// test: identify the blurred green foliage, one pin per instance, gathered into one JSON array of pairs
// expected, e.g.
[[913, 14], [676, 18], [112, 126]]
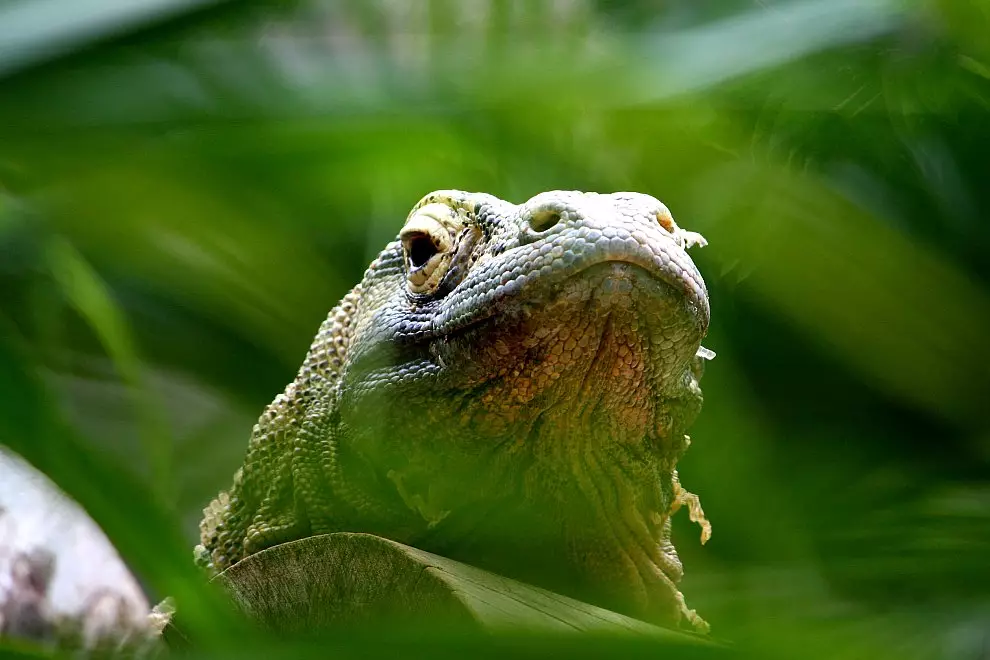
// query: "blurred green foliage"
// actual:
[[186, 188]]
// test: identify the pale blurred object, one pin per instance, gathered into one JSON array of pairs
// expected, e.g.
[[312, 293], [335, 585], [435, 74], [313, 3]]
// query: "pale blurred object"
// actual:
[[61, 582]]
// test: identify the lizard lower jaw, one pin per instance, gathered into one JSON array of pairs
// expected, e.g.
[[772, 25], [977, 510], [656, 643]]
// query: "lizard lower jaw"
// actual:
[[635, 267], [650, 303]]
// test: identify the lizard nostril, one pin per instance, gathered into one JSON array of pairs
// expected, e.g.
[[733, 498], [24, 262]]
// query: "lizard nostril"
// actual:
[[544, 219]]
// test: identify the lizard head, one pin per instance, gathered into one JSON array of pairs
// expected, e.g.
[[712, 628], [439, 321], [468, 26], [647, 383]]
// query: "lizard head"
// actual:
[[518, 381]]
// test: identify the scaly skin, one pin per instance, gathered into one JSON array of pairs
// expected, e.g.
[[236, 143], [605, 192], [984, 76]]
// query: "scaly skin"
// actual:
[[509, 386]]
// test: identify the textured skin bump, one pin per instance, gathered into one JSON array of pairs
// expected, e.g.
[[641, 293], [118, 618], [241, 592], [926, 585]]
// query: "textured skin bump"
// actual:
[[509, 385]]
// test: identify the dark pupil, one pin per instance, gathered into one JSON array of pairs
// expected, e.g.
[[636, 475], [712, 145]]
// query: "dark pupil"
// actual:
[[421, 248]]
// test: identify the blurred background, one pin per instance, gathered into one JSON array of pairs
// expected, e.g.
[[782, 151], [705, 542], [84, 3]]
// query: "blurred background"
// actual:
[[188, 186]]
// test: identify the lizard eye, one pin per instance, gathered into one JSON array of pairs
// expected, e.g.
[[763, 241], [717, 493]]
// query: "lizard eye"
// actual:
[[428, 244], [420, 247]]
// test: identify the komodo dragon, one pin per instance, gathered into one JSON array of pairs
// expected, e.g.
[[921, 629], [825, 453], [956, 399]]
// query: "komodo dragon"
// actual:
[[509, 385]]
